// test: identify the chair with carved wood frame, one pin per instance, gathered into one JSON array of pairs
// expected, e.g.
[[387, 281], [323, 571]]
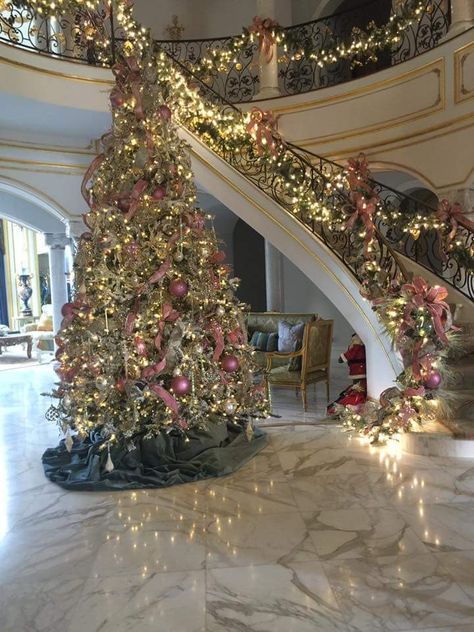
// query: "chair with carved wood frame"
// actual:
[[315, 356]]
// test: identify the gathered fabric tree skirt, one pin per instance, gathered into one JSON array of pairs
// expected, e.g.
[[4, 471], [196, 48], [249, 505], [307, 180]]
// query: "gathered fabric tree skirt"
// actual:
[[165, 460]]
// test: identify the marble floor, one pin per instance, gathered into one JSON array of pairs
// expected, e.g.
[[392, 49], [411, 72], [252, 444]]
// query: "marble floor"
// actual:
[[318, 533]]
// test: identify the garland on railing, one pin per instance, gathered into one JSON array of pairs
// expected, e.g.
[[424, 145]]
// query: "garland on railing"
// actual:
[[414, 314], [361, 48], [57, 7], [419, 322]]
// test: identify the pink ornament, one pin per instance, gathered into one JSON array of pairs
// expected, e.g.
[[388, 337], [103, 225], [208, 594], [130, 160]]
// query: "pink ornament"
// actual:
[[180, 385], [132, 249], [67, 310], [116, 98], [159, 193], [178, 288], [432, 380], [230, 363], [164, 112]]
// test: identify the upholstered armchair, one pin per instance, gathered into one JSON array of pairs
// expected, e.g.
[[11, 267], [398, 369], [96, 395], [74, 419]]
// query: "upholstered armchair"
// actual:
[[315, 354], [42, 332]]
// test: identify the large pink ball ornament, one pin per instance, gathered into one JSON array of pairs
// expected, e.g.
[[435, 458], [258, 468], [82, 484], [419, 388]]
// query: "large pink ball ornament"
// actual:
[[180, 385], [164, 112], [178, 288], [159, 193], [230, 363], [433, 380]]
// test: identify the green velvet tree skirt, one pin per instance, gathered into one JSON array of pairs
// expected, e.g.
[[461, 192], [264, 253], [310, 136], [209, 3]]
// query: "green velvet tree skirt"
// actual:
[[159, 462]]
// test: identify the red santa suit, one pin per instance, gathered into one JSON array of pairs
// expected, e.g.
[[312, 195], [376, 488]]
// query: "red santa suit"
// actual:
[[356, 394]]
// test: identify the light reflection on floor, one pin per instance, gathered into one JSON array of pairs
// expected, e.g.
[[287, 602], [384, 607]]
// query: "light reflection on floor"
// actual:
[[319, 532]]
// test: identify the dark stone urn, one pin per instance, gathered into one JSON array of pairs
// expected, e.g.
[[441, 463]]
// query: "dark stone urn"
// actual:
[[24, 292]]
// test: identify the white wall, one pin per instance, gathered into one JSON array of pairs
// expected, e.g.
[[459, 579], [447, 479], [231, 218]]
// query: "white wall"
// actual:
[[205, 18], [301, 295]]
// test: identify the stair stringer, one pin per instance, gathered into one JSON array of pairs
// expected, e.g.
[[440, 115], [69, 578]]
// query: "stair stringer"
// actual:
[[305, 250]]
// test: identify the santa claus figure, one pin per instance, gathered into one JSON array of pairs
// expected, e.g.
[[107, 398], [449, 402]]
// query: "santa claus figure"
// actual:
[[356, 394]]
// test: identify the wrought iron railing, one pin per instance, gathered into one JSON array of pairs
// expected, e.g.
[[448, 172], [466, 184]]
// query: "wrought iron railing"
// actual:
[[298, 170], [67, 37], [426, 247]]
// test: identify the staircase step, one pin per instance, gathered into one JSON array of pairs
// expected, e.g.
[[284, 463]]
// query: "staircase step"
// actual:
[[437, 444]]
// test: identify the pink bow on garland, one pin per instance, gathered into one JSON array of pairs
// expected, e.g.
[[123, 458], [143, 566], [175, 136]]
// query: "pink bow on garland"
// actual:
[[358, 175], [422, 295], [263, 127], [264, 29], [365, 209], [453, 213]]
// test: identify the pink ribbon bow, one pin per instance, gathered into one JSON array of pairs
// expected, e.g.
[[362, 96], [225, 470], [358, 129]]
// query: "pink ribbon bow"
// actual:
[[264, 29], [454, 215], [263, 127], [365, 209], [358, 175], [422, 295]]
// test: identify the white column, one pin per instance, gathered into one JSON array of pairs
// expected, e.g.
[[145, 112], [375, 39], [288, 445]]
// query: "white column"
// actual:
[[57, 243], [462, 16], [274, 278], [268, 71]]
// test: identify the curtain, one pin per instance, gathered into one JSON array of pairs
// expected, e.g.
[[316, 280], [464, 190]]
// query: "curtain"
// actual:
[[3, 281]]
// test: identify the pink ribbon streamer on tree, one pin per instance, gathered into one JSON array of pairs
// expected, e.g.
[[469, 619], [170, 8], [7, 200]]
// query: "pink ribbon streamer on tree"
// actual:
[[422, 295], [153, 369], [130, 72], [166, 396], [130, 323], [134, 197], [264, 29], [168, 314], [263, 127], [92, 168], [216, 331], [453, 214]]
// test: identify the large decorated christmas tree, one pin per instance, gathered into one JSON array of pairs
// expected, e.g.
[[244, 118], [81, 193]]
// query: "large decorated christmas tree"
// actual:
[[156, 377]]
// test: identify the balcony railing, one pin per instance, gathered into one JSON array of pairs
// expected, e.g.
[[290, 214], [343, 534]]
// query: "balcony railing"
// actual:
[[72, 37]]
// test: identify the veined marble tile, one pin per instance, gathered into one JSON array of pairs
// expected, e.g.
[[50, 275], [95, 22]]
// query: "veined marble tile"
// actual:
[[443, 527], [361, 532], [257, 540], [398, 593], [32, 555], [367, 489], [39, 606], [293, 598], [172, 602], [233, 497], [461, 567], [428, 486], [323, 461], [161, 547]]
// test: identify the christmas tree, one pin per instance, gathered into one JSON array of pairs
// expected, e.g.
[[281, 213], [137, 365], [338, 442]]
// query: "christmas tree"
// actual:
[[153, 346]]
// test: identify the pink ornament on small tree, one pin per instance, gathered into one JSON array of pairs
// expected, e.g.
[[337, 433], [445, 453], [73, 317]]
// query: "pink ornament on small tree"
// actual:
[[159, 193], [180, 385], [432, 380], [230, 363], [178, 288], [165, 112]]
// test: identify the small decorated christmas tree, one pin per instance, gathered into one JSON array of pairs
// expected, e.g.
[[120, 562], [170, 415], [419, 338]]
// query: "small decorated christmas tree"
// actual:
[[153, 347]]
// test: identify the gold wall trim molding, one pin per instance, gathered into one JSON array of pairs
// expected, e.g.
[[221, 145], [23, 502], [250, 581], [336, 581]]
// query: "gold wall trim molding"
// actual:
[[460, 55], [374, 86], [83, 151], [57, 166], [438, 106], [313, 255], [445, 126], [52, 73], [27, 188]]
